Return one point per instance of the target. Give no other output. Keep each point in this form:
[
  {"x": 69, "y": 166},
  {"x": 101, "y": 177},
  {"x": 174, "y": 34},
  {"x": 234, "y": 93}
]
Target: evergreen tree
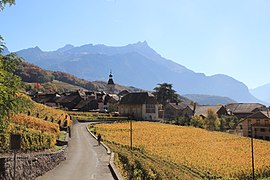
[{"x": 165, "y": 93}]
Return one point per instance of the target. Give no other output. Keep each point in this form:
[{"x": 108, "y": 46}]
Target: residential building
[
  {"x": 174, "y": 110},
  {"x": 111, "y": 102},
  {"x": 48, "y": 99},
  {"x": 72, "y": 99},
  {"x": 260, "y": 122},
  {"x": 243, "y": 110},
  {"x": 139, "y": 105},
  {"x": 202, "y": 110}
]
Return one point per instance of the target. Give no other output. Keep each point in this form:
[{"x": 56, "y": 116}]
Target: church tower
[{"x": 110, "y": 85}]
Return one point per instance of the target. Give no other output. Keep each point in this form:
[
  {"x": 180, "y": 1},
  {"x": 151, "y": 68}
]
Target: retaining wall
[{"x": 30, "y": 166}]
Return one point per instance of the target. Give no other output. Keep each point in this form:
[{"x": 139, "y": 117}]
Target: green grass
[
  {"x": 89, "y": 116},
  {"x": 57, "y": 148},
  {"x": 62, "y": 136}
]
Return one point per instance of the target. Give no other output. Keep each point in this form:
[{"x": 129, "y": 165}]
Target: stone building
[{"x": 139, "y": 105}]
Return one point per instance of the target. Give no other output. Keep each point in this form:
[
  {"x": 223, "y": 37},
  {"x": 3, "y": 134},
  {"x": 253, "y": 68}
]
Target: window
[
  {"x": 150, "y": 108},
  {"x": 262, "y": 130},
  {"x": 249, "y": 122},
  {"x": 267, "y": 122},
  {"x": 258, "y": 122}
]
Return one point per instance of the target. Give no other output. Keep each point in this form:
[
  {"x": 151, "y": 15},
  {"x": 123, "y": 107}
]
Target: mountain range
[
  {"x": 262, "y": 92},
  {"x": 135, "y": 65}
]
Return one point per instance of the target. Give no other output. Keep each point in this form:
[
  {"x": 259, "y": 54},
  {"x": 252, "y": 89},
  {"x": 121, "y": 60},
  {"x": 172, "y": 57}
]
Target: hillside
[
  {"x": 209, "y": 100},
  {"x": 135, "y": 65},
  {"x": 38, "y": 125},
  {"x": 262, "y": 93},
  {"x": 61, "y": 81}
]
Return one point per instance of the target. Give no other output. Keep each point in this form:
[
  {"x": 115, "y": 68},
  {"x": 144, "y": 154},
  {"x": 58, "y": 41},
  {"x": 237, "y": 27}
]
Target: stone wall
[{"x": 30, "y": 166}]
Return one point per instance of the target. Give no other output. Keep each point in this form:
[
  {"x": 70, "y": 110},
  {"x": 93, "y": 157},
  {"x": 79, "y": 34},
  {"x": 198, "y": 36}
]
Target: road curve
[{"x": 85, "y": 159}]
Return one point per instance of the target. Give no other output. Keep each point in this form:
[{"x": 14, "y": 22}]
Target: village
[{"x": 144, "y": 106}]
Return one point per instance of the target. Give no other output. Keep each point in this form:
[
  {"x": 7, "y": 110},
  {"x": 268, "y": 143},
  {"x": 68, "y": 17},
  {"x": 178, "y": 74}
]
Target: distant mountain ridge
[
  {"x": 209, "y": 100},
  {"x": 135, "y": 65},
  {"x": 262, "y": 92}
]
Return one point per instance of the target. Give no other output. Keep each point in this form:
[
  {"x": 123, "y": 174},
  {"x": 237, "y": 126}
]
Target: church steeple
[
  {"x": 110, "y": 78},
  {"x": 110, "y": 85}
]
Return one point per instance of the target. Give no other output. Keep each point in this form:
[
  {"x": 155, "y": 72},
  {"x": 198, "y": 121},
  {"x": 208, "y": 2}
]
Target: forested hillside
[{"x": 33, "y": 74}]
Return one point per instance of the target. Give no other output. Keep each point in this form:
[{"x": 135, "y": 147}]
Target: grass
[
  {"x": 95, "y": 116},
  {"x": 62, "y": 136},
  {"x": 57, "y": 148}
]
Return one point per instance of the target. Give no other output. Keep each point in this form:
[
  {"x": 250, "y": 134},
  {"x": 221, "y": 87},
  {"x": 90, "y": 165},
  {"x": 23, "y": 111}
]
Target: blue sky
[{"x": 209, "y": 36}]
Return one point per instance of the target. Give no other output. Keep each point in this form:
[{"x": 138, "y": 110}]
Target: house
[
  {"x": 72, "y": 99},
  {"x": 260, "y": 122},
  {"x": 48, "y": 99},
  {"x": 111, "y": 102},
  {"x": 243, "y": 110},
  {"x": 81, "y": 100},
  {"x": 87, "y": 105},
  {"x": 202, "y": 110},
  {"x": 100, "y": 98},
  {"x": 123, "y": 93},
  {"x": 139, "y": 105},
  {"x": 174, "y": 110}
]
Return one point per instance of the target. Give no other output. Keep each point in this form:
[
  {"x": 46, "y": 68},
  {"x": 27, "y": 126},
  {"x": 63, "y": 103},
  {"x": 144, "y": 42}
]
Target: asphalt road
[{"x": 85, "y": 159}]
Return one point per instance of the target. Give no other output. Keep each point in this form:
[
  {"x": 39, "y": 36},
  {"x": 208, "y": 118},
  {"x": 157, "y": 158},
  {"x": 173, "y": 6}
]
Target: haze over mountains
[
  {"x": 135, "y": 65},
  {"x": 262, "y": 92}
]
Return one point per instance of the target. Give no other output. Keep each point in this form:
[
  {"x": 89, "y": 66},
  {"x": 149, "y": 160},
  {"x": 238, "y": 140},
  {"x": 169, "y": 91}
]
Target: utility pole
[
  {"x": 130, "y": 134},
  {"x": 252, "y": 153}
]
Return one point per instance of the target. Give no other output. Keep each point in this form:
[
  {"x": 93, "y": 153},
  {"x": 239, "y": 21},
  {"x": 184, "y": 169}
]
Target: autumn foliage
[
  {"x": 199, "y": 152},
  {"x": 36, "y": 123}
]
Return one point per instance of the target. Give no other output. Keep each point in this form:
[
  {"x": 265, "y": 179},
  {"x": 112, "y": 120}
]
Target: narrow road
[{"x": 85, "y": 159}]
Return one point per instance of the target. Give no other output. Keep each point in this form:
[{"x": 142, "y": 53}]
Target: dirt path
[{"x": 85, "y": 160}]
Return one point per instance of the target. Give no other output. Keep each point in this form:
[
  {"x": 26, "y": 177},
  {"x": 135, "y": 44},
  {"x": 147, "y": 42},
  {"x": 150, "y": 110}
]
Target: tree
[
  {"x": 228, "y": 122},
  {"x": 198, "y": 121},
  {"x": 212, "y": 120},
  {"x": 4, "y": 2},
  {"x": 9, "y": 85},
  {"x": 164, "y": 93}
]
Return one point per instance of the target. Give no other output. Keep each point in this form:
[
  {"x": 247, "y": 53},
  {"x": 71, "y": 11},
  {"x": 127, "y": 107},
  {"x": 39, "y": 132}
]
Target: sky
[{"x": 207, "y": 36}]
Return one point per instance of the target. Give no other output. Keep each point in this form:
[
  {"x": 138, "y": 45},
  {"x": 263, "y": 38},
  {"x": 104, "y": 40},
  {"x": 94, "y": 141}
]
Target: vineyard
[
  {"x": 38, "y": 125},
  {"x": 176, "y": 152}
]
